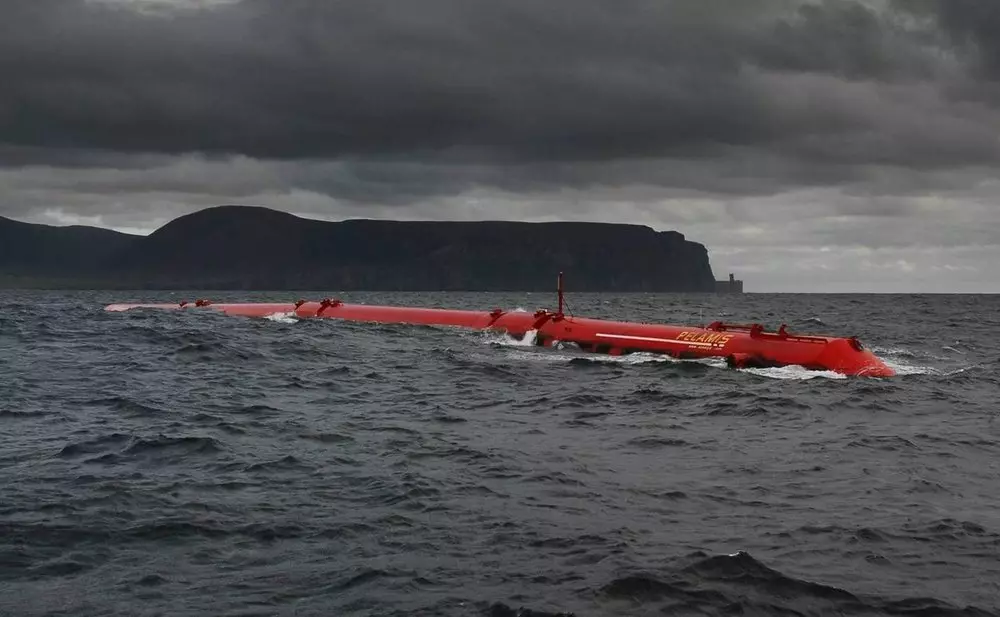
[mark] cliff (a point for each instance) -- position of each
(240, 247)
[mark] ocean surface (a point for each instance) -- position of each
(181, 463)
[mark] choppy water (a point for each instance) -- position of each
(157, 463)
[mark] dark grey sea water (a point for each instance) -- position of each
(162, 463)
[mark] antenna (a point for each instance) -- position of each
(559, 288)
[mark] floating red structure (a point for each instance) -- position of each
(743, 346)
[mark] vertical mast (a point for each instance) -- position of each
(559, 288)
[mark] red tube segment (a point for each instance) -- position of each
(742, 346)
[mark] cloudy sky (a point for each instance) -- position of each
(811, 145)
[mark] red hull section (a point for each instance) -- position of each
(742, 346)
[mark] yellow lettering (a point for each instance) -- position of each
(704, 337)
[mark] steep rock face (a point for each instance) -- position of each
(238, 247)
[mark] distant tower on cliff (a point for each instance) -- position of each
(732, 286)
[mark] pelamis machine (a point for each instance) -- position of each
(743, 346)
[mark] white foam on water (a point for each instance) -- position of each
(714, 362)
(550, 356)
(907, 362)
(903, 368)
(282, 317)
(633, 358)
(903, 361)
(493, 337)
(792, 372)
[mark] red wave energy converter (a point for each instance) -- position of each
(742, 346)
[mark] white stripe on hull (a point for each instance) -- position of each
(651, 339)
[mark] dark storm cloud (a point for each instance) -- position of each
(818, 143)
(971, 25)
(481, 81)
